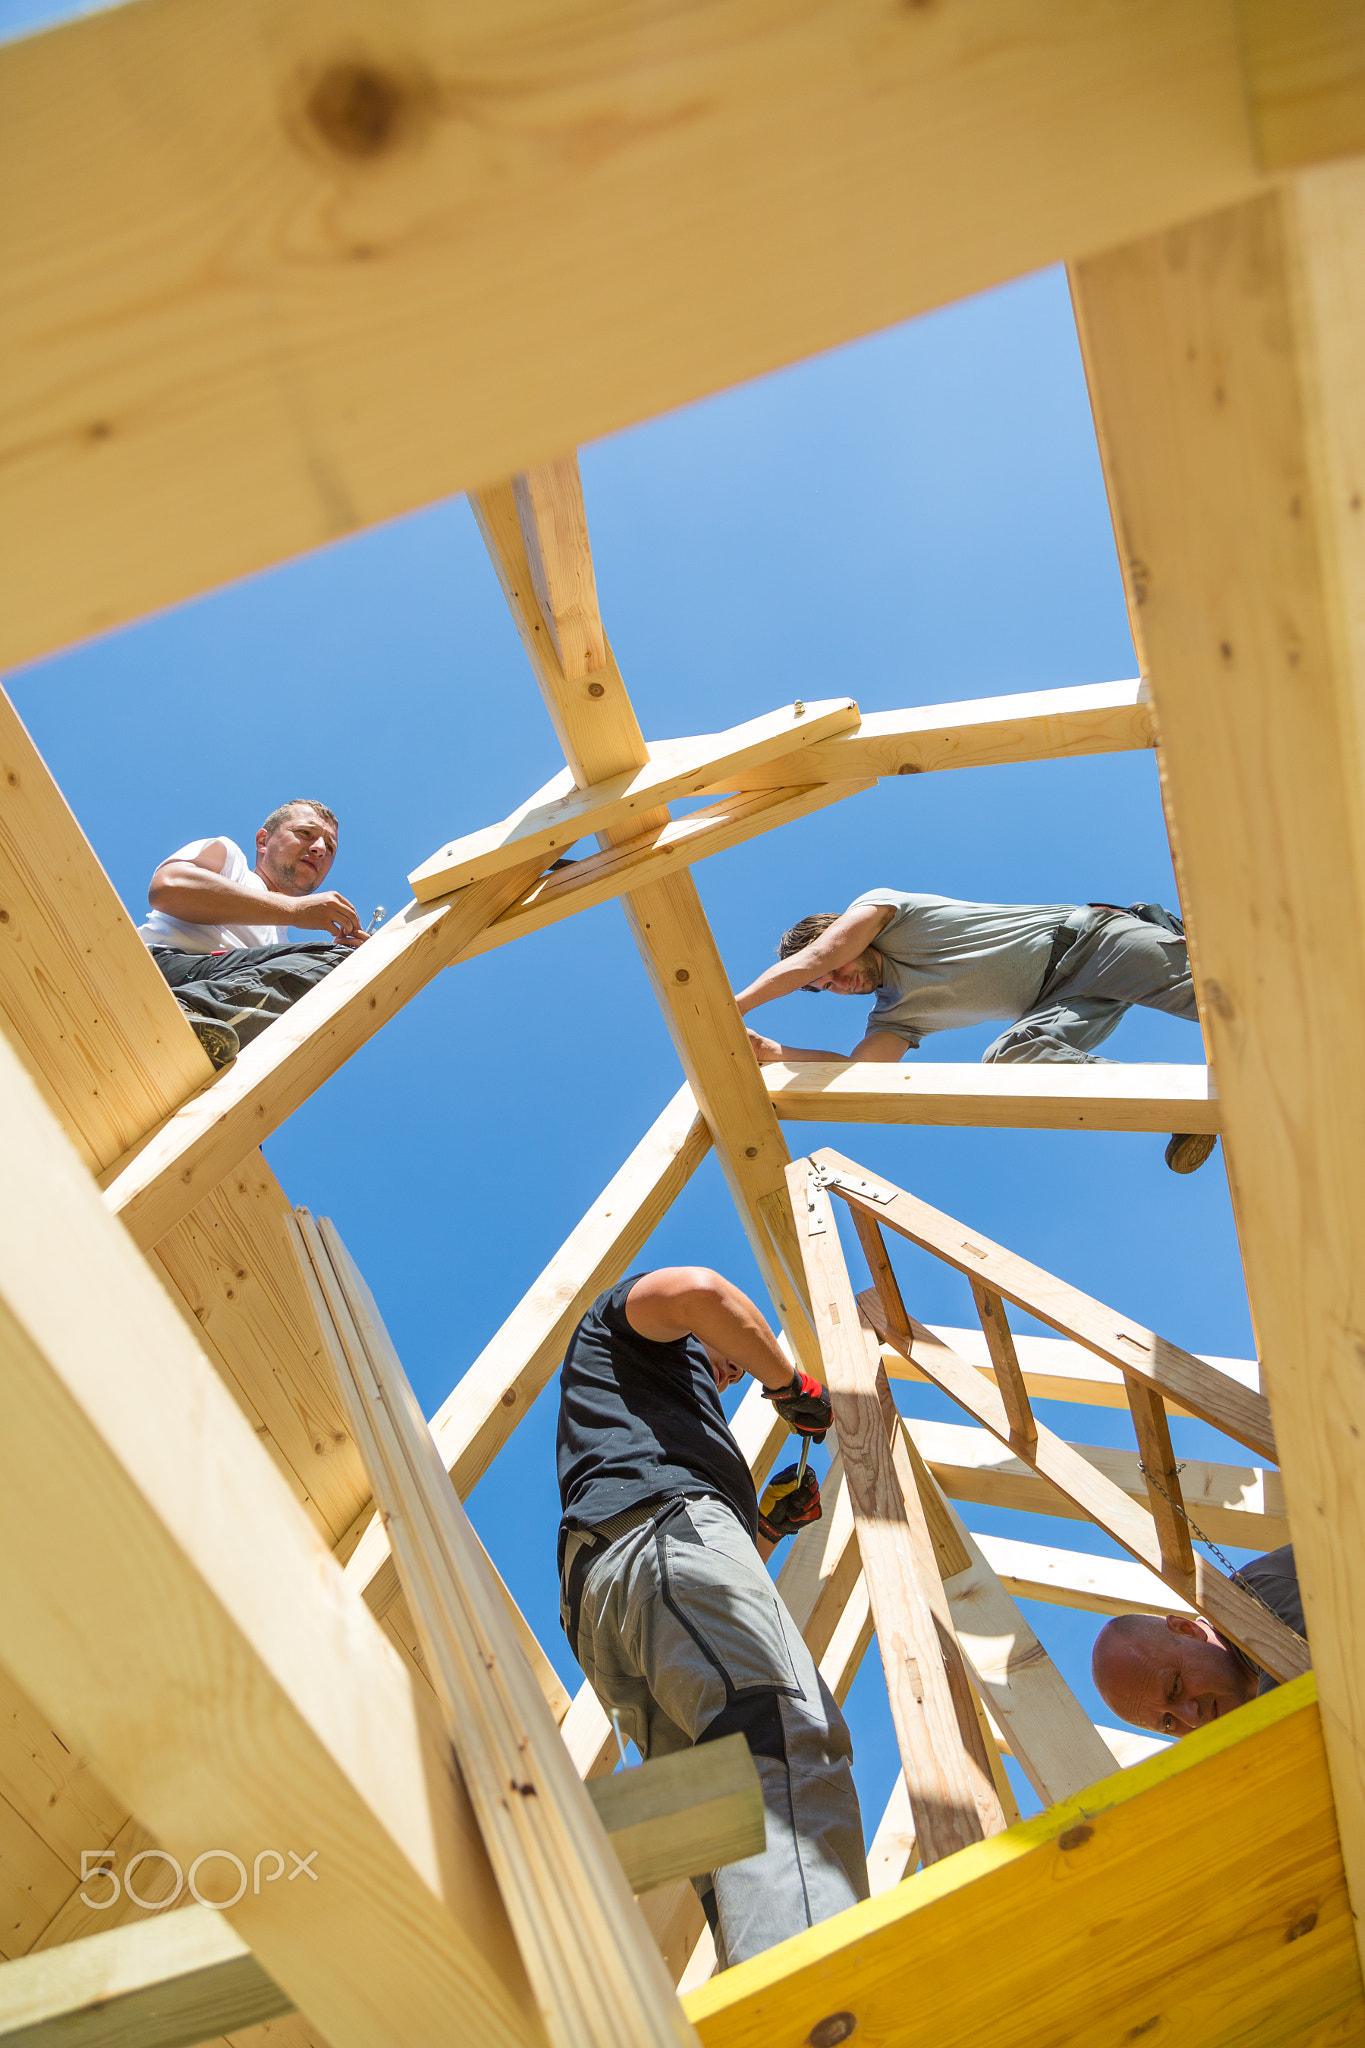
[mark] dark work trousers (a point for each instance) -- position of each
(671, 1613)
(1121, 962)
(251, 986)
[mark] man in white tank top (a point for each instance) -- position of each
(216, 926)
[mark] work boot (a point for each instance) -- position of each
(1188, 1150)
(219, 1041)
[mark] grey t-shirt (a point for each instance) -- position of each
(948, 963)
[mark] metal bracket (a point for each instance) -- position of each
(857, 1184)
(816, 1182)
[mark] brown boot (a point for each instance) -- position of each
(1188, 1150)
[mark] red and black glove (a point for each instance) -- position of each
(787, 1507)
(804, 1406)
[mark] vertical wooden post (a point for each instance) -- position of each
(949, 1785)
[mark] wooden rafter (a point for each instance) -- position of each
(1034, 1098)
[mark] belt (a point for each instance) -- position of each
(610, 1531)
(1084, 918)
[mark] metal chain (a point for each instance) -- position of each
(1228, 1566)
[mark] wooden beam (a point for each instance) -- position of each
(1305, 73)
(81, 999)
(1138, 1353)
(1030, 1098)
(495, 1394)
(1055, 1369)
(1244, 1620)
(1248, 1799)
(165, 1982)
(682, 1815)
(458, 304)
(554, 528)
(1070, 1578)
(268, 1080)
(982, 732)
(1009, 1374)
(596, 1977)
(601, 737)
(294, 1723)
(1237, 1504)
(950, 1790)
(546, 829)
(1237, 346)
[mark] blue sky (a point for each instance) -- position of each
(916, 518)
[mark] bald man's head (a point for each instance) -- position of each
(1171, 1673)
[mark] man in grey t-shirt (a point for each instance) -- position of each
(1060, 975)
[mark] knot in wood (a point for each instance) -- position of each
(597, 689)
(830, 2031)
(363, 110)
(1075, 1838)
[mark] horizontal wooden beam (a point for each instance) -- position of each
(1056, 1369)
(981, 732)
(547, 828)
(1070, 1578)
(1238, 1504)
(431, 298)
(1028, 1098)
(681, 1815)
(166, 1981)
(1248, 1799)
(218, 1591)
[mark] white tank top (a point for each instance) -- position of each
(161, 930)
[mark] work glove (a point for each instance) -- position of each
(787, 1507)
(804, 1406)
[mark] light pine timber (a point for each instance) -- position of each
(1069, 1578)
(944, 1778)
(596, 1976)
(1033, 1098)
(1235, 1613)
(955, 1958)
(176, 422)
(601, 737)
(493, 1396)
(1241, 535)
(81, 999)
(275, 1073)
(982, 732)
(1305, 70)
(1138, 1353)
(1057, 1370)
(554, 527)
(1237, 1504)
(678, 768)
(294, 1722)
(1009, 1376)
(166, 1982)
(684, 1814)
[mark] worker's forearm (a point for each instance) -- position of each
(772, 983)
(797, 1055)
(211, 899)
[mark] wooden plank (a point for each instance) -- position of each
(1030, 1098)
(596, 1976)
(1047, 1728)
(982, 732)
(1069, 1578)
(601, 737)
(205, 1140)
(682, 1815)
(97, 1903)
(554, 528)
(34, 1882)
(429, 298)
(1137, 1352)
(1057, 1370)
(294, 1725)
(1263, 1960)
(945, 1777)
(164, 1983)
(81, 999)
(1161, 1476)
(1236, 1504)
(1305, 72)
(893, 1851)
(494, 1395)
(676, 768)
(1234, 1612)
(1246, 523)
(1009, 1375)
(49, 1786)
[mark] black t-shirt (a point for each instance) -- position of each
(1276, 1580)
(639, 1420)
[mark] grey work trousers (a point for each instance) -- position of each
(1120, 962)
(680, 1628)
(250, 986)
